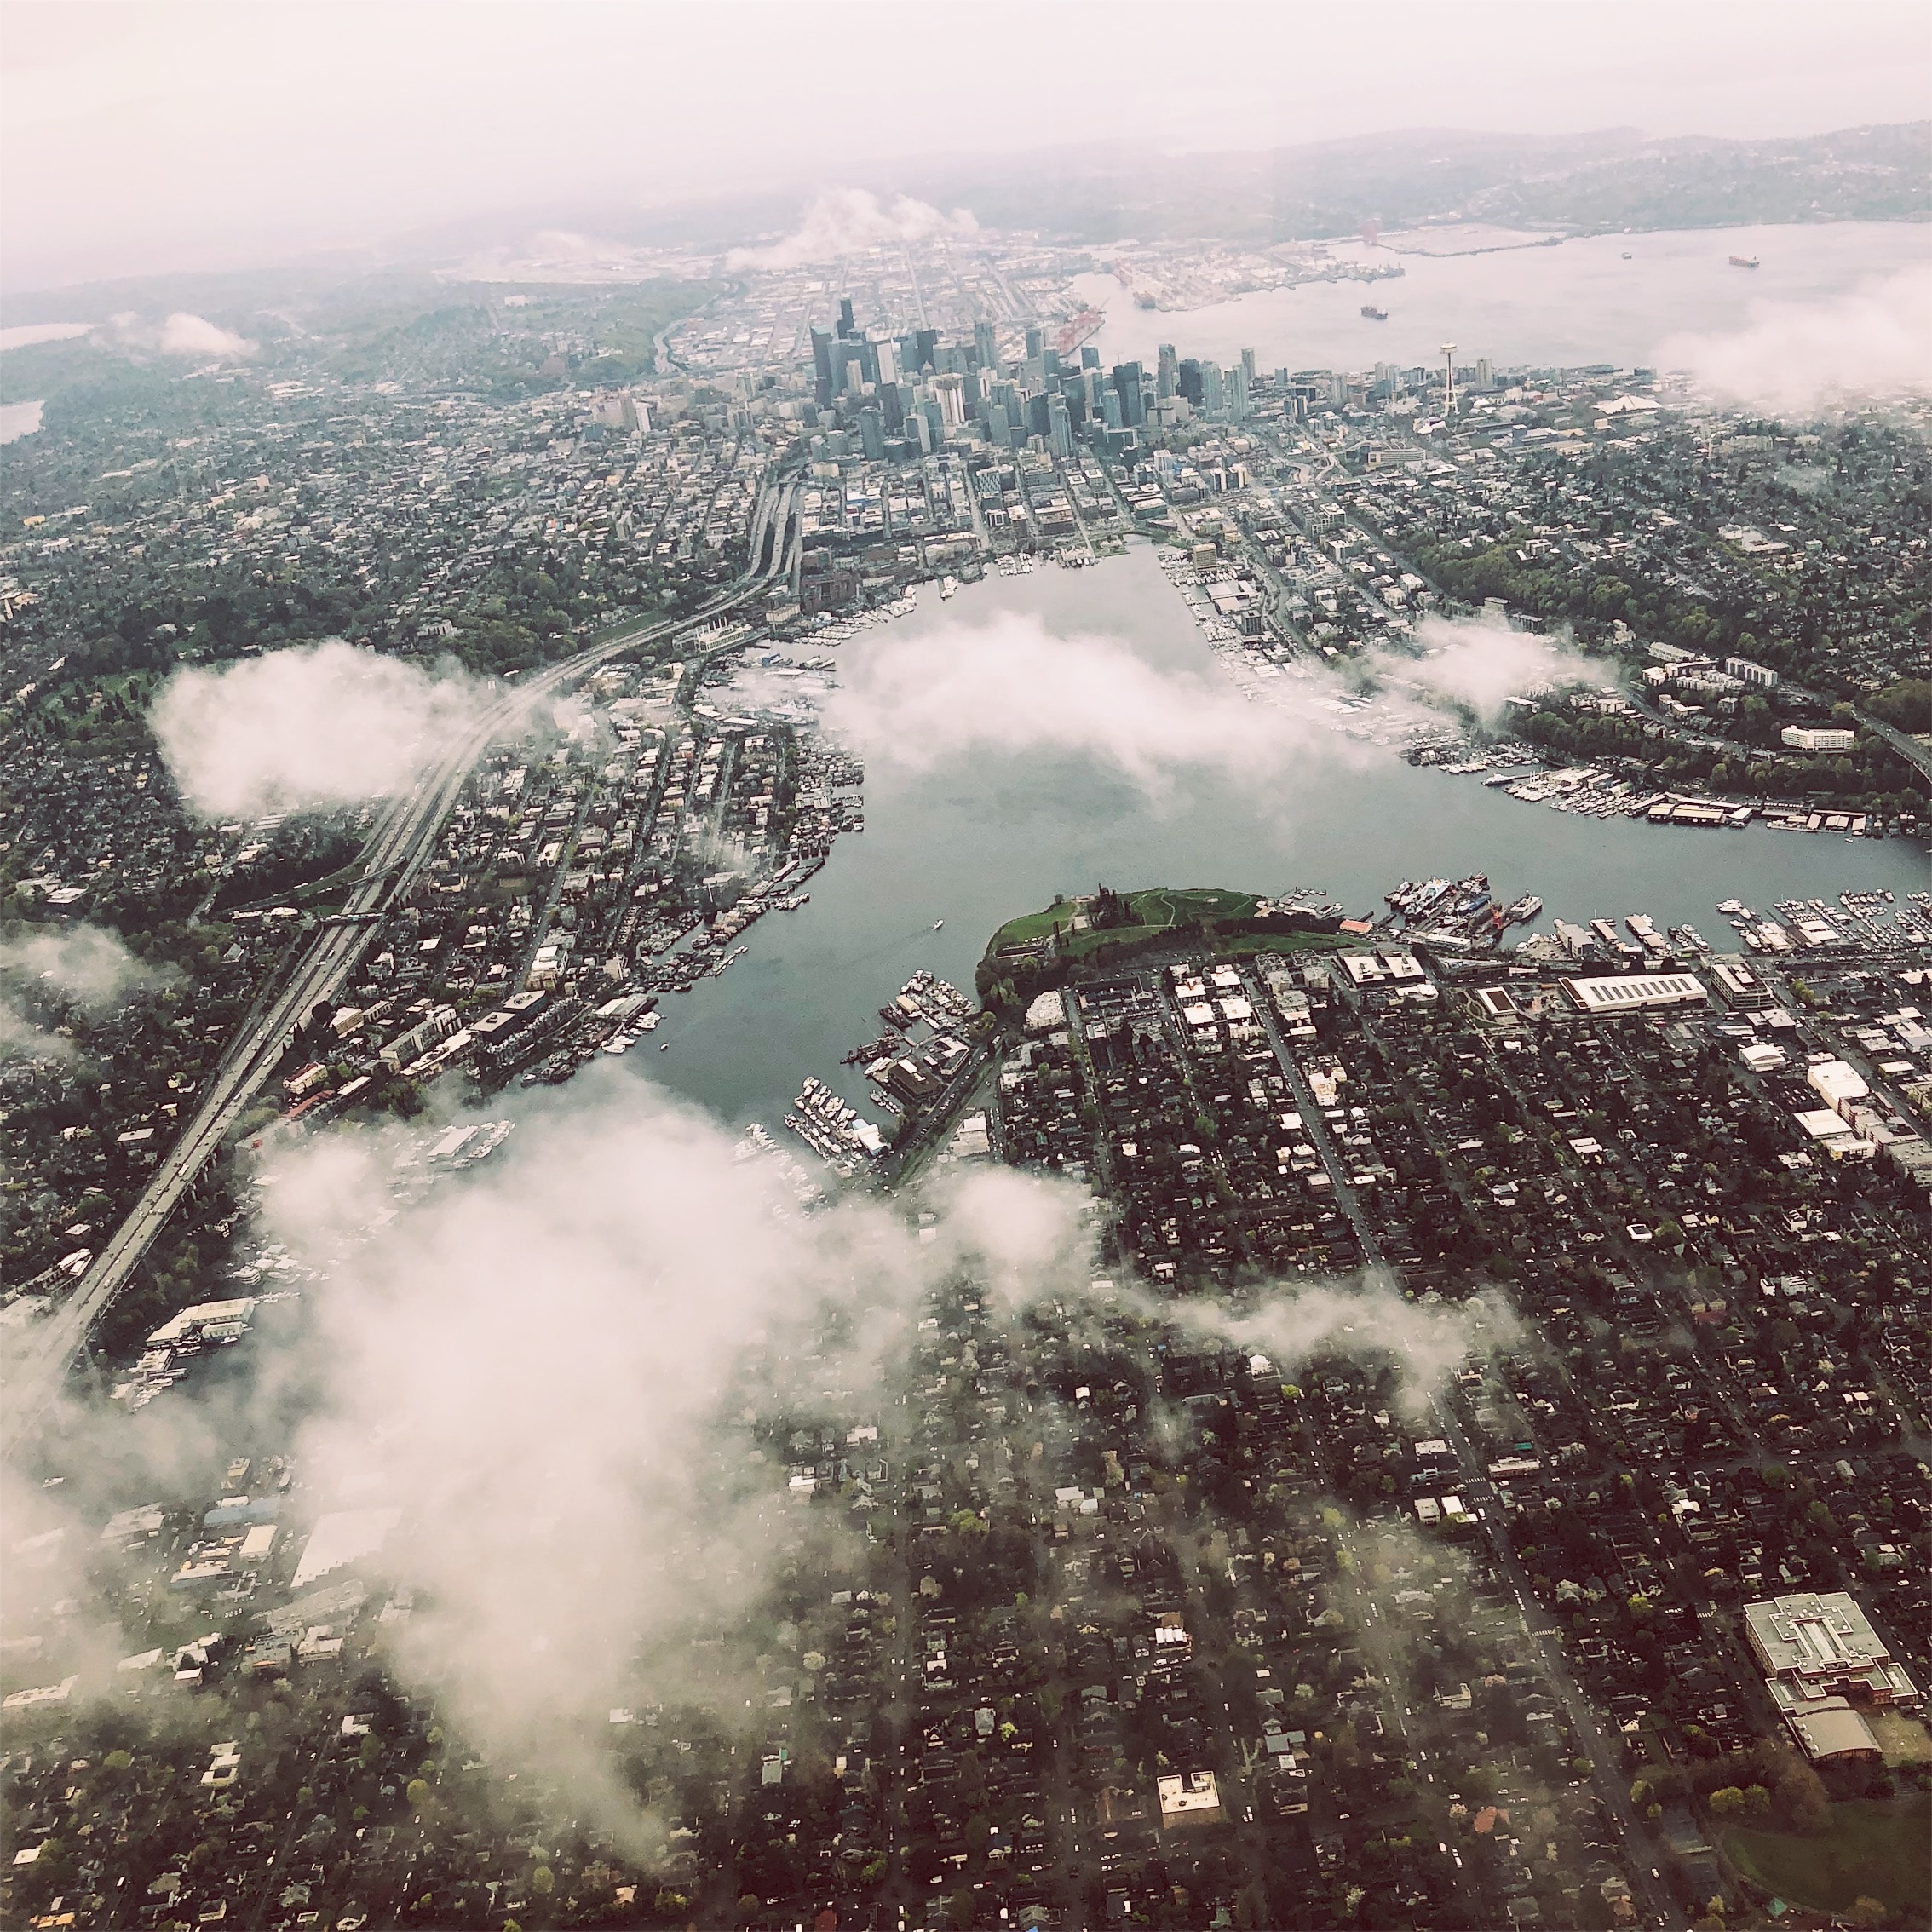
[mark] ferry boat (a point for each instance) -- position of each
(1371, 312)
(1522, 911)
(1743, 261)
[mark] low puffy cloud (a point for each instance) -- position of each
(81, 966)
(189, 336)
(549, 1374)
(75, 970)
(321, 724)
(1013, 687)
(1802, 359)
(1481, 665)
(556, 1374)
(196, 336)
(572, 1375)
(849, 221)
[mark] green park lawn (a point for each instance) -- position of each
(1154, 911)
(1870, 1850)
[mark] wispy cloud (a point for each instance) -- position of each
(1808, 358)
(72, 969)
(1481, 665)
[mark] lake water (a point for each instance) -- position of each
(19, 419)
(25, 335)
(976, 842)
(1579, 302)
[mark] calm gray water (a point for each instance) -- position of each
(977, 842)
(1577, 303)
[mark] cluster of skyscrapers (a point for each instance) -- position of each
(907, 396)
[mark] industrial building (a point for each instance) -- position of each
(1635, 992)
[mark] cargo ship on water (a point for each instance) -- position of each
(1371, 312)
(1743, 261)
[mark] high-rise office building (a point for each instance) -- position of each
(1060, 426)
(1035, 344)
(1167, 373)
(1127, 386)
(985, 344)
(822, 368)
(925, 349)
(1248, 367)
(1238, 390)
(1214, 398)
(999, 429)
(950, 392)
(847, 367)
(1110, 408)
(1090, 357)
(886, 354)
(872, 433)
(846, 327)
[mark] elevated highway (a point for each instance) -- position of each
(36, 1359)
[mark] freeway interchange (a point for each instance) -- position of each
(36, 1362)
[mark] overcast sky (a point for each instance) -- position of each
(162, 135)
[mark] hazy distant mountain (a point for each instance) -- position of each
(1611, 179)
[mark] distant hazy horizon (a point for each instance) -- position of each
(177, 137)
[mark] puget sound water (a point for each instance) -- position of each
(1618, 299)
(977, 840)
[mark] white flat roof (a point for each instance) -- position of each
(1624, 993)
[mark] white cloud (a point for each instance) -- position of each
(194, 336)
(553, 1373)
(1012, 687)
(81, 965)
(1481, 664)
(317, 725)
(78, 969)
(544, 1372)
(849, 221)
(1804, 360)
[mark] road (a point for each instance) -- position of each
(37, 1361)
(1910, 748)
(1915, 751)
(1606, 1759)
